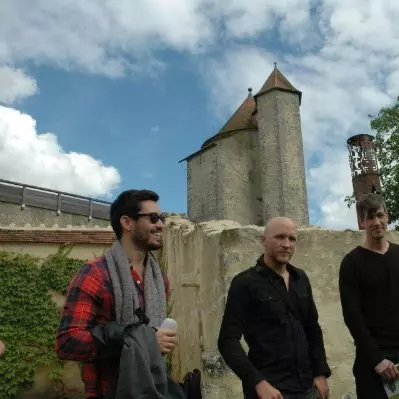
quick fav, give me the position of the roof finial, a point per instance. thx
(249, 91)
(275, 74)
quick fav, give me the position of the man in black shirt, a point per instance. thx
(368, 283)
(271, 305)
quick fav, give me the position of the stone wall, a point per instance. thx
(224, 181)
(256, 181)
(236, 178)
(202, 188)
(281, 156)
(12, 214)
(202, 259)
(43, 250)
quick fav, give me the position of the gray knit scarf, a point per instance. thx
(125, 292)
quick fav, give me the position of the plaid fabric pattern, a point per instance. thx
(89, 302)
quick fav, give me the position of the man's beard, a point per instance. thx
(142, 241)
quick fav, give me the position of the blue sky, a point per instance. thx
(98, 97)
(142, 127)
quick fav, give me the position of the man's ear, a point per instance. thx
(263, 239)
(126, 223)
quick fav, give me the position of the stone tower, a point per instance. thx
(253, 168)
(364, 166)
(281, 158)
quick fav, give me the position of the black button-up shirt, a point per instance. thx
(286, 350)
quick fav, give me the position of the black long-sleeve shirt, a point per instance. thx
(369, 289)
(283, 350)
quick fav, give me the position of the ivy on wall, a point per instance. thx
(58, 270)
(28, 316)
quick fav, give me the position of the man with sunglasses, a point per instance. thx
(92, 298)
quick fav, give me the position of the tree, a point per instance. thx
(386, 126)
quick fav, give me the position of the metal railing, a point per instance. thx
(44, 198)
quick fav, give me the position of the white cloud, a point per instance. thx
(343, 56)
(247, 19)
(15, 85)
(230, 77)
(329, 183)
(113, 38)
(29, 157)
(350, 73)
(119, 37)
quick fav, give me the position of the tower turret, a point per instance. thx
(281, 157)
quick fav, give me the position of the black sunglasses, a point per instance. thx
(154, 217)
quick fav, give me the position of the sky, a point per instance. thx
(105, 95)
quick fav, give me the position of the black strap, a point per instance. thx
(143, 319)
(285, 296)
(192, 384)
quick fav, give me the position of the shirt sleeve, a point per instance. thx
(231, 331)
(315, 339)
(352, 313)
(74, 340)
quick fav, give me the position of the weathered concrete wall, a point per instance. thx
(224, 181)
(256, 182)
(12, 214)
(202, 190)
(235, 176)
(281, 156)
(202, 260)
(79, 251)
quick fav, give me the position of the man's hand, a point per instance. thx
(265, 391)
(167, 340)
(322, 386)
(387, 370)
(2, 348)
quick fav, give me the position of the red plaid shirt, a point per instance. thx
(90, 301)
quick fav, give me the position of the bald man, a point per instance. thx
(271, 305)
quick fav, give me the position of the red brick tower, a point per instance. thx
(364, 165)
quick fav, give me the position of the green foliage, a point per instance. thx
(29, 320)
(58, 269)
(386, 124)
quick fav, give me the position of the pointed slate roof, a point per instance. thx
(242, 119)
(277, 81)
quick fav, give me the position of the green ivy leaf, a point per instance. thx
(29, 318)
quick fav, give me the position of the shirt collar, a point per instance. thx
(269, 272)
